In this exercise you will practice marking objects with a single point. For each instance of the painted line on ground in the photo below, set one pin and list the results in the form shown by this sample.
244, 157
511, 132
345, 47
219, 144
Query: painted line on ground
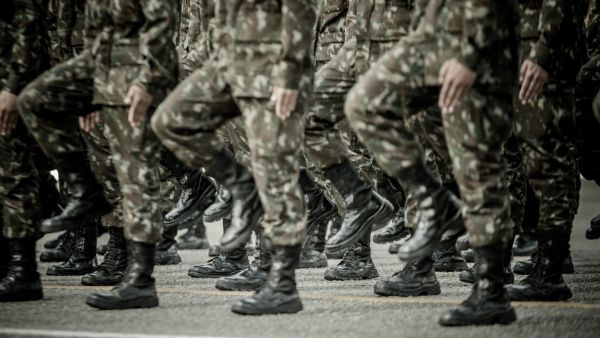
15, 332
341, 298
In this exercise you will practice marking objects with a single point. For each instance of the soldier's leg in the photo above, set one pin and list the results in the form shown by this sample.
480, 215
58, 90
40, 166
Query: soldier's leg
553, 175
377, 108
324, 146
186, 122
275, 146
112, 268
48, 106
136, 155
19, 193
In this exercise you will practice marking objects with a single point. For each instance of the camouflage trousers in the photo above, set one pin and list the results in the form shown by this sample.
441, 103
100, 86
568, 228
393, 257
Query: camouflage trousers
103, 167
545, 130
393, 89
50, 104
19, 184
187, 122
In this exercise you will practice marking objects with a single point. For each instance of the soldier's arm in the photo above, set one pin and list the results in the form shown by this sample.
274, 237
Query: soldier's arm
552, 16
30, 49
298, 24
156, 45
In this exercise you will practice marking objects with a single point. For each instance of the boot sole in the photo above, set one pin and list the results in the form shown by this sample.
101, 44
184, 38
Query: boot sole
200, 204
23, 296
200, 275
503, 318
98, 283
131, 304
73, 273
430, 247
238, 287
375, 218
330, 277
553, 296
96, 213
390, 239
218, 216
433, 289
281, 309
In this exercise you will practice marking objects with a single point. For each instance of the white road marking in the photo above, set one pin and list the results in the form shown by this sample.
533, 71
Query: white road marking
14, 332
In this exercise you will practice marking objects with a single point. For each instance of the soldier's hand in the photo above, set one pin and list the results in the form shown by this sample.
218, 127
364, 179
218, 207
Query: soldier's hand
9, 112
456, 80
285, 101
88, 123
532, 78
139, 100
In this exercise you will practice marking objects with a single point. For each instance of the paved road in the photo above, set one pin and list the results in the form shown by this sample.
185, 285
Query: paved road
194, 308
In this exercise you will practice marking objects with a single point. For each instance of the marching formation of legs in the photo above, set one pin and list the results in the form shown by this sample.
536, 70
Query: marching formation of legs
456, 131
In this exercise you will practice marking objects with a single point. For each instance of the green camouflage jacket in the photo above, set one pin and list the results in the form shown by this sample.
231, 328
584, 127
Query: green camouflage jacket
134, 47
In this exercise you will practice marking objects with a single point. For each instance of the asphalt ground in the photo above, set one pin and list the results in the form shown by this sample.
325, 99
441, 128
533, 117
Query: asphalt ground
194, 308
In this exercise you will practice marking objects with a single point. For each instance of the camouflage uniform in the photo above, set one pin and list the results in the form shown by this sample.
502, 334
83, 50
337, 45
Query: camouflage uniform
587, 128
270, 45
552, 36
24, 53
405, 81
98, 80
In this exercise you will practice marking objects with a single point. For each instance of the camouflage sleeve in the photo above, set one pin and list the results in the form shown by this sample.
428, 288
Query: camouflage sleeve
593, 29
156, 45
480, 30
298, 24
552, 17
29, 52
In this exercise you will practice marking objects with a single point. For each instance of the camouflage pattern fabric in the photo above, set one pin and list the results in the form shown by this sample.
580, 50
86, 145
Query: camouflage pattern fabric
331, 29
552, 35
404, 81
24, 53
587, 127
270, 46
98, 80
378, 32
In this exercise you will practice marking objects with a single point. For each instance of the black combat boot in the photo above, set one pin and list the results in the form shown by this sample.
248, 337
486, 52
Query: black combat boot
253, 277
546, 283
524, 245
469, 276
439, 212
111, 270
356, 263
83, 253
526, 267
214, 251
166, 250
321, 211
197, 194
279, 293
462, 243
395, 229
194, 238
61, 252
488, 303
136, 289
226, 264
366, 210
221, 207
593, 232
86, 202
246, 209
417, 278
447, 259
22, 281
